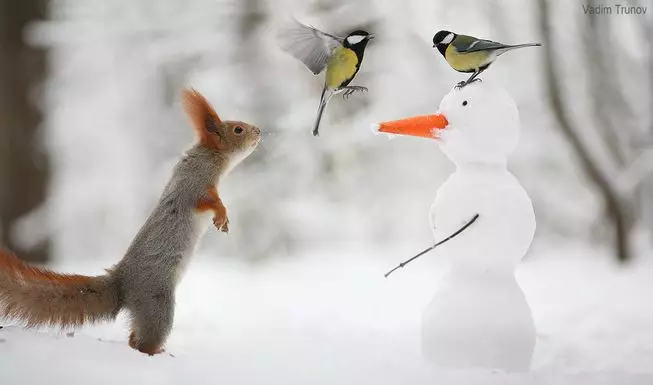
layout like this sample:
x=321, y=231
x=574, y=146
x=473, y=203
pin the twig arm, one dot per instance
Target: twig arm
x=452, y=236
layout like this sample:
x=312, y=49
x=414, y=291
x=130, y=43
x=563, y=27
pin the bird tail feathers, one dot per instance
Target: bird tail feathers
x=324, y=100
x=509, y=47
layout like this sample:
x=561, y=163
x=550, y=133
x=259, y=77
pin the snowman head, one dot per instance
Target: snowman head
x=478, y=123
x=483, y=124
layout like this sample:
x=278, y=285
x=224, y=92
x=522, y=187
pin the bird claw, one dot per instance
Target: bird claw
x=466, y=82
x=351, y=89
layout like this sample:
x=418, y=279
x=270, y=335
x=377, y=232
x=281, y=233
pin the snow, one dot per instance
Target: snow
x=331, y=318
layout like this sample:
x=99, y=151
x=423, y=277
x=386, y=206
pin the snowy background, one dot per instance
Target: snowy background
x=295, y=293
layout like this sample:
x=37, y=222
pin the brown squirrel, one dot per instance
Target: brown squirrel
x=144, y=281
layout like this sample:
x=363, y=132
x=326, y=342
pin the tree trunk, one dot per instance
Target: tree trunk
x=24, y=168
x=617, y=211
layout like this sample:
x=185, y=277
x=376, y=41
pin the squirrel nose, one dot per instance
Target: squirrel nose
x=257, y=130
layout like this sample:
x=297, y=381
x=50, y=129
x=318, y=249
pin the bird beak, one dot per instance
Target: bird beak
x=425, y=126
x=370, y=36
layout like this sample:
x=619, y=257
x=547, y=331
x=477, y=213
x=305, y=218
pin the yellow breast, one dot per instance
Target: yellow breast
x=465, y=62
x=342, y=66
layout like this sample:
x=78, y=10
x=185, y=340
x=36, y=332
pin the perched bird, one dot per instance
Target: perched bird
x=469, y=54
x=342, y=58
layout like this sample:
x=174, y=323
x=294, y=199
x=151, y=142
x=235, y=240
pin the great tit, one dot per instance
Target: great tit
x=469, y=54
x=342, y=58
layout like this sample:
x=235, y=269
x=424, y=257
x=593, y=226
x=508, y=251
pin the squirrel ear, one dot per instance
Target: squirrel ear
x=204, y=118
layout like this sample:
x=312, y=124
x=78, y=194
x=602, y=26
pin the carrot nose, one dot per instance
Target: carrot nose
x=425, y=126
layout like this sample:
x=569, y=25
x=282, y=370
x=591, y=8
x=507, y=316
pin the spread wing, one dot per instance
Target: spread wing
x=467, y=44
x=310, y=45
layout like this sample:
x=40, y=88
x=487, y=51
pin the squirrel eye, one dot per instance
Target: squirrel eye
x=238, y=130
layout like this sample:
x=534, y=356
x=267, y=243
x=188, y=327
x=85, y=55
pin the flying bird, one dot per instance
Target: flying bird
x=342, y=58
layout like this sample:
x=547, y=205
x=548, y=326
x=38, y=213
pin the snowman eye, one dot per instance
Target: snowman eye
x=465, y=103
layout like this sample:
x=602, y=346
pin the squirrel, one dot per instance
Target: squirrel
x=144, y=281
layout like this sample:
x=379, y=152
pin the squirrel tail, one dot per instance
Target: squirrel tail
x=40, y=297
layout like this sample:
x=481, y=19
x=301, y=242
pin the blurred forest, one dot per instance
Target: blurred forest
x=24, y=173
x=90, y=121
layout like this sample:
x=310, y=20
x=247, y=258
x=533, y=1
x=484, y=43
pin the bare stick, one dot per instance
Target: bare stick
x=452, y=236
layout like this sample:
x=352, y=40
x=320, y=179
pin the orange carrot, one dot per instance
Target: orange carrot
x=425, y=126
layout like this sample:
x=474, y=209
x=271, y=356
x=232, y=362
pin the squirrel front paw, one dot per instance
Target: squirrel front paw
x=221, y=223
x=212, y=202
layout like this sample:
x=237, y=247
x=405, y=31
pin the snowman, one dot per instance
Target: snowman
x=478, y=317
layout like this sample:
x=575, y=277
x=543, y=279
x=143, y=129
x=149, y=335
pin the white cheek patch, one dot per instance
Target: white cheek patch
x=353, y=40
x=447, y=39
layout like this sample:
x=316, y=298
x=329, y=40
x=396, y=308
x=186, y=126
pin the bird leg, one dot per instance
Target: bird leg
x=348, y=90
x=471, y=79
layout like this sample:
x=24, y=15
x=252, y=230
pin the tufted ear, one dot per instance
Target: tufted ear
x=204, y=118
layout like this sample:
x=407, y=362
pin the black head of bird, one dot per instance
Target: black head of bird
x=357, y=40
x=442, y=39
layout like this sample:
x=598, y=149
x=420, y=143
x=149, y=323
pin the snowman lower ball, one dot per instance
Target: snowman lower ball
x=478, y=317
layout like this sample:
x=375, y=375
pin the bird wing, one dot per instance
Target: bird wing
x=310, y=45
x=467, y=44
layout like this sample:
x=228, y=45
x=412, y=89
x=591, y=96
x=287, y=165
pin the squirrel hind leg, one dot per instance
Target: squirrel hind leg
x=151, y=323
x=150, y=350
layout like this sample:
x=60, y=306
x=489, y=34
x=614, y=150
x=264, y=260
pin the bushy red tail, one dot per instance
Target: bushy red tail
x=40, y=297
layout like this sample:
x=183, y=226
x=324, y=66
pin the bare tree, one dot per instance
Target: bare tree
x=610, y=165
x=24, y=168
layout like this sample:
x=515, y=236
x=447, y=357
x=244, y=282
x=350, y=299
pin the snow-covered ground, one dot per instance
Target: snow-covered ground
x=332, y=318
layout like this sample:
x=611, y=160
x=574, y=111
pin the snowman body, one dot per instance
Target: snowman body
x=479, y=317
